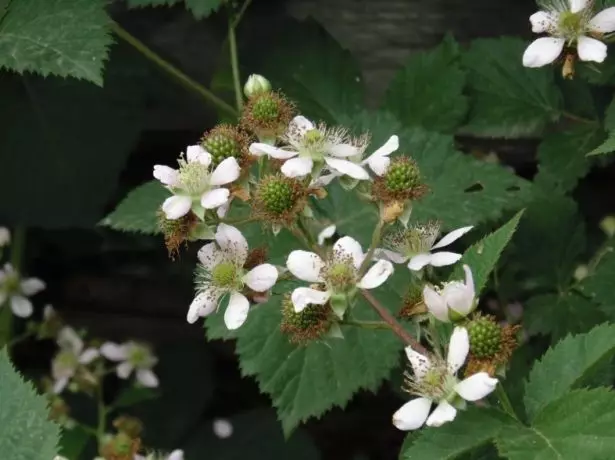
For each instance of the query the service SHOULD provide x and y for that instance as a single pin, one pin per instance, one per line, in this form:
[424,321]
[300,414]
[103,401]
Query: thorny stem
[232,40]
[372,248]
[367,324]
[172,70]
[505,401]
[395,326]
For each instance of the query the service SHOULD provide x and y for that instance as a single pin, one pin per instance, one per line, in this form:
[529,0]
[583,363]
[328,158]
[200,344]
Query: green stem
[572,116]
[367,324]
[372,248]
[505,401]
[232,40]
[240,14]
[20,338]
[102,415]
[172,70]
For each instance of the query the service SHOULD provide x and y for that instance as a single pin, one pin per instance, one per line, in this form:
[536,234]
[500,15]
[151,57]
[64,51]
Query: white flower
[379,161]
[312,148]
[325,234]
[132,356]
[435,382]
[16,291]
[5,236]
[222,428]
[568,22]
[175,455]
[339,274]
[221,272]
[417,243]
[194,185]
[70,356]
[453,300]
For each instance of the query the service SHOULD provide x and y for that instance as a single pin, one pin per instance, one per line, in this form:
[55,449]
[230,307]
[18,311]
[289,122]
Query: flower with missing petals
[222,271]
[71,355]
[435,381]
[15,291]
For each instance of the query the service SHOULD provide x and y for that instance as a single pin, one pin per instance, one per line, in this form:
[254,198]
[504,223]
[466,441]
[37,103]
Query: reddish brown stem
[396,327]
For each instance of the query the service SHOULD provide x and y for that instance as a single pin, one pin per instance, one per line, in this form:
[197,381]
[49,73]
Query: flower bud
[225,141]
[279,199]
[402,181]
[5,236]
[256,84]
[485,337]
[267,115]
[607,225]
[453,300]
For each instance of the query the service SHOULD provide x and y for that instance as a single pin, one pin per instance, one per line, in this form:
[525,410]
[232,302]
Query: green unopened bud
[485,337]
[279,199]
[267,115]
[225,141]
[256,84]
[278,196]
[402,175]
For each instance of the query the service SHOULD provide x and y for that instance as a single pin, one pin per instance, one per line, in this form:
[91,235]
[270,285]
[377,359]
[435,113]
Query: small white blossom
[5,237]
[453,300]
[175,455]
[379,161]
[313,148]
[194,185]
[221,272]
[132,356]
[568,22]
[222,428]
[435,382]
[325,234]
[16,291]
[70,356]
[338,274]
[415,245]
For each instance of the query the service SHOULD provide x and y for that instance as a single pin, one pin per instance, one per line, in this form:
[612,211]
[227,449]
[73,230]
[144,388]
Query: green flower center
[67,360]
[220,147]
[278,196]
[224,275]
[571,24]
[402,176]
[341,276]
[312,137]
[194,177]
[485,337]
[265,109]
[138,355]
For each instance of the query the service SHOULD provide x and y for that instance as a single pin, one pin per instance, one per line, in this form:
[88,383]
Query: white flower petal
[209,256]
[376,275]
[114,351]
[458,349]
[232,241]
[89,355]
[476,386]
[196,153]
[435,303]
[469,279]
[444,258]
[578,5]
[5,236]
[347,167]
[297,167]
[21,306]
[348,247]
[379,164]
[204,304]
[60,384]
[124,369]
[177,454]
[379,160]
[303,296]
[226,172]
[412,415]
[603,22]
[300,125]
[543,51]
[31,286]
[166,175]
[260,149]
[176,206]
[305,265]
[261,278]
[590,49]
[452,236]
[543,21]
[237,311]
[68,339]
[215,198]
[419,261]
[420,363]
[444,413]
[393,256]
[147,378]
[343,150]
[325,234]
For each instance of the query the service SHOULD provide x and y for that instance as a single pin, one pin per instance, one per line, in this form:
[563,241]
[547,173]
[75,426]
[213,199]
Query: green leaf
[203,8]
[562,157]
[577,425]
[134,395]
[427,92]
[599,284]
[605,147]
[153,3]
[471,429]
[560,314]
[566,365]
[508,100]
[56,37]
[306,381]
[483,256]
[25,431]
[138,212]
[73,441]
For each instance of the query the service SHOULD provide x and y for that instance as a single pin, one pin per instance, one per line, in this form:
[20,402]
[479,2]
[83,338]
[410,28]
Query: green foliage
[577,425]
[471,429]
[427,92]
[566,365]
[199,8]
[483,256]
[507,99]
[134,395]
[599,284]
[73,442]
[306,381]
[25,432]
[56,37]
[138,212]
